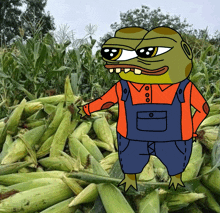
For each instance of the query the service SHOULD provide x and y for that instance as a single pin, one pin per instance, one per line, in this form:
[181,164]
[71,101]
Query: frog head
[159,56]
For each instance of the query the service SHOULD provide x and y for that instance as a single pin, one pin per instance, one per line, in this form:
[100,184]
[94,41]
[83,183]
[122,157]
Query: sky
[77,14]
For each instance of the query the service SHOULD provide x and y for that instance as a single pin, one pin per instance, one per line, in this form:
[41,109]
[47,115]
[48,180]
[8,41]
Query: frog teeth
[118,70]
[111,70]
[137,71]
[126,70]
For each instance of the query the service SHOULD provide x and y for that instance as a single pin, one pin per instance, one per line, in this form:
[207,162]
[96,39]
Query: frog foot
[175,180]
[129,180]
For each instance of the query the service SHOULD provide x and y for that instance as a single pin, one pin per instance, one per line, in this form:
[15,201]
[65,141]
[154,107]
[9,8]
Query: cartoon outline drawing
[154,97]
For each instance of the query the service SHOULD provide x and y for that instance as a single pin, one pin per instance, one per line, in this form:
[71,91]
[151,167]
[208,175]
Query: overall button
[180,91]
[125,91]
[147,99]
[151,114]
[147,94]
[147,87]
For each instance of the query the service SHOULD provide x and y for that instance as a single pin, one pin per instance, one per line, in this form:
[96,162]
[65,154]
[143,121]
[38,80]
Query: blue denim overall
[153,129]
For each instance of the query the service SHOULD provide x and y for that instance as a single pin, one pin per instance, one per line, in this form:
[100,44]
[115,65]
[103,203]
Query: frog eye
[116,54]
[149,52]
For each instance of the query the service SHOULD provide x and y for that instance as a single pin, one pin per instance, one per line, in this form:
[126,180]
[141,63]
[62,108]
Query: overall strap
[180,90]
[125,89]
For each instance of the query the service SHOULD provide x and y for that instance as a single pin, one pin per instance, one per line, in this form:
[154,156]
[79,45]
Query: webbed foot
[175,180]
[129,180]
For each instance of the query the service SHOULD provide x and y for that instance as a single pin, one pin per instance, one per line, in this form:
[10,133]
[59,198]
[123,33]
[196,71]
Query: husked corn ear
[103,131]
[52,128]
[211,121]
[45,147]
[211,180]
[36,199]
[6,145]
[89,194]
[11,125]
[150,203]
[91,147]
[18,149]
[209,201]
[112,199]
[61,207]
[61,135]
[82,129]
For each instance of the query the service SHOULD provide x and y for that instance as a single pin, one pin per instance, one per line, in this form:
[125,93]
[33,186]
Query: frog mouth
[136,69]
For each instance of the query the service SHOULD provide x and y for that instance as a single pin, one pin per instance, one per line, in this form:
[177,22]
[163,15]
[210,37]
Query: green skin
[177,64]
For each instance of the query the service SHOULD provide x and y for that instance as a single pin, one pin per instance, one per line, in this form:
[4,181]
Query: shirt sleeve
[201,106]
[104,102]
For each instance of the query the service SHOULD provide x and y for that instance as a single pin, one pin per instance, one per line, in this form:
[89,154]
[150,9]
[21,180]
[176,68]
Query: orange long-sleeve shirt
[154,93]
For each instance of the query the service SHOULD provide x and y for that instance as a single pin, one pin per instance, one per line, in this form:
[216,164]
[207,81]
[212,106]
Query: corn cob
[82,129]
[68,92]
[34,124]
[31,108]
[112,199]
[109,161]
[91,147]
[89,194]
[61,207]
[55,99]
[209,201]
[97,168]
[54,124]
[150,203]
[104,145]
[210,137]
[18,150]
[61,135]
[211,121]
[103,131]
[36,199]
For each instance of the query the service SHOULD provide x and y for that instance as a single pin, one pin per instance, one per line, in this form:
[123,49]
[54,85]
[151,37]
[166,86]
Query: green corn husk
[103,131]
[6,145]
[31,108]
[39,169]
[112,199]
[36,199]
[61,135]
[52,128]
[34,124]
[55,99]
[210,137]
[160,169]
[179,201]
[209,201]
[103,145]
[211,180]
[73,185]
[211,121]
[109,161]
[68,92]
[150,203]
[192,208]
[12,168]
[50,108]
[114,134]
[195,162]
[45,147]
[2,124]
[18,150]
[91,147]
[31,184]
[96,167]
[148,172]
[61,207]
[89,194]
[40,114]
[29,159]
[82,129]
[11,125]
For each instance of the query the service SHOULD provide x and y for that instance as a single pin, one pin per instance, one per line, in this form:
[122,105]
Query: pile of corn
[53,161]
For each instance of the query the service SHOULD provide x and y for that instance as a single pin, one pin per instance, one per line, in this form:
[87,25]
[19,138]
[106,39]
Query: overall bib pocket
[152,121]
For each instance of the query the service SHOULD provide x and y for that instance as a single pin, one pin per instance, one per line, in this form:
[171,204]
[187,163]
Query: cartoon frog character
[154,97]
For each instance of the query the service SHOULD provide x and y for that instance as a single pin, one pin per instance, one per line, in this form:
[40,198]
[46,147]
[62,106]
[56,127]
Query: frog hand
[81,111]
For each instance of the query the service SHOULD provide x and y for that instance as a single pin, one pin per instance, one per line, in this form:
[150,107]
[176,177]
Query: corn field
[54,161]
